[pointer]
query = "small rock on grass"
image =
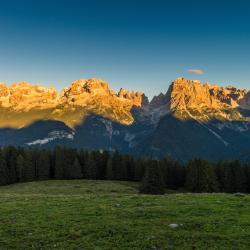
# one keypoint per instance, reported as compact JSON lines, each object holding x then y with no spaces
{"x":239,"y":194}
{"x":174,"y":225}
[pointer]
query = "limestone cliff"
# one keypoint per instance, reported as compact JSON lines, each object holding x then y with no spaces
{"x":203,"y":101}
{"x":23,"y":103}
{"x":24,"y":96}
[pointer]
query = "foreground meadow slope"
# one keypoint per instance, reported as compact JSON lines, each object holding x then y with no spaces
{"x":112,"y":215}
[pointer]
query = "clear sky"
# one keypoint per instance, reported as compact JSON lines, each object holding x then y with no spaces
{"x":136,"y":44}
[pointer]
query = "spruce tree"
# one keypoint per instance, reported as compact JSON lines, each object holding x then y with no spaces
{"x":139,"y":169}
{"x":201,"y":177}
{"x":247,"y":174}
{"x":153,"y":181}
{"x":109,"y":170}
{"x":234,"y":177}
{"x":3,"y":170}
{"x":59,"y":163}
{"x":102,"y":160}
{"x":173,"y":173}
{"x":239,"y":177}
{"x":220,"y":170}
{"x":83,"y":156}
{"x":119,"y":167}
{"x":228,"y":180}
{"x":76,"y":170}
{"x":43,"y":165}
{"x":20,"y":166}
{"x":91,"y":167}
{"x":29,"y":168}
{"x":10,"y":154}
{"x":130,"y":166}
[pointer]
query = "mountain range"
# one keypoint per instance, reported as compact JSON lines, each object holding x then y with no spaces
{"x":192,"y":119}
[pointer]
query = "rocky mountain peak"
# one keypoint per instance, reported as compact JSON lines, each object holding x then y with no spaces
{"x":203,"y":100}
{"x":159,"y":100}
{"x":138,"y":98}
{"x":245,"y":102}
{"x":184,"y":98}
{"x":95,"y":96}
{"x":24,"y":96}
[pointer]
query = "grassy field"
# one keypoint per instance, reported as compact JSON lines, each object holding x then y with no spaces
{"x":112,"y":215}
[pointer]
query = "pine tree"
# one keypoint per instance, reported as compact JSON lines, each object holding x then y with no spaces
{"x":247,"y":174}
{"x":239,"y":177}
{"x":82,"y":156}
{"x":20,"y":166}
{"x":43,"y":165}
{"x":130,"y":166}
{"x":29,"y":168}
{"x":59,"y":163}
{"x":220,"y":171}
{"x":102,"y":160}
{"x":10,"y":154}
{"x":119,"y":167}
{"x":173,"y":173}
{"x":201,"y":177}
{"x":139,"y":169}
{"x":153,"y":181}
{"x":228,"y":180}
{"x":76,"y":170}
{"x":91,"y":167}
{"x":110,"y":171}
{"x":3,"y":170}
{"x":234,"y":177}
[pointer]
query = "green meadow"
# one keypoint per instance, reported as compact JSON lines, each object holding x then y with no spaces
{"x":83,"y":214}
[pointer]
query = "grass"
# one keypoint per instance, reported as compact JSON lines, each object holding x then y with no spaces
{"x":112,"y":215}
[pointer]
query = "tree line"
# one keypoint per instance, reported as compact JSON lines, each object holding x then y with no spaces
{"x":197,"y":175}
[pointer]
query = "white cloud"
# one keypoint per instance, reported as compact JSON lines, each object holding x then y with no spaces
{"x":196,"y":71}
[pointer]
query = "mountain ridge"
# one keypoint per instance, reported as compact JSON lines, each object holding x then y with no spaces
{"x":192,"y":119}
{"x":184,"y":98}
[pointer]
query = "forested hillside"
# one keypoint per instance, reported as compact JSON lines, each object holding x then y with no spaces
{"x":197,"y":175}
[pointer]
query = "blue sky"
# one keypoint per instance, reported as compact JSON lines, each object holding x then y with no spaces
{"x":136,"y":44}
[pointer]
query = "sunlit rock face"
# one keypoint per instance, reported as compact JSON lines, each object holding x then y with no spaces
{"x":33,"y":102}
{"x":21,"y":104}
{"x":192,"y":119}
{"x":245,"y":102}
{"x":203,"y":101}
{"x":95,"y":96}
{"x":24,"y":97}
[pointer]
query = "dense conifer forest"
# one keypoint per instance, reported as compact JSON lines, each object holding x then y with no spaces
{"x":197,"y":175}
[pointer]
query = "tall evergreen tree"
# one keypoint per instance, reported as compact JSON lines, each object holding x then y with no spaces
{"x":91,"y":167}
{"x":139,"y":169}
{"x":201,"y":177}
{"x":29,"y":168}
{"x":59,"y":163}
{"x":153,"y":181}
{"x":247,"y":174}
{"x":173,"y":173}
{"x":82,"y":156}
{"x":220,"y":171}
{"x":130,"y":166}
{"x":10,"y":154}
{"x":3,"y":170}
{"x":20,"y":166}
{"x":119,"y":167}
{"x":76,"y":170}
{"x":102,"y":160}
{"x":43,"y":165}
{"x":110,"y":171}
{"x":240,"y":177}
{"x":234,"y":177}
